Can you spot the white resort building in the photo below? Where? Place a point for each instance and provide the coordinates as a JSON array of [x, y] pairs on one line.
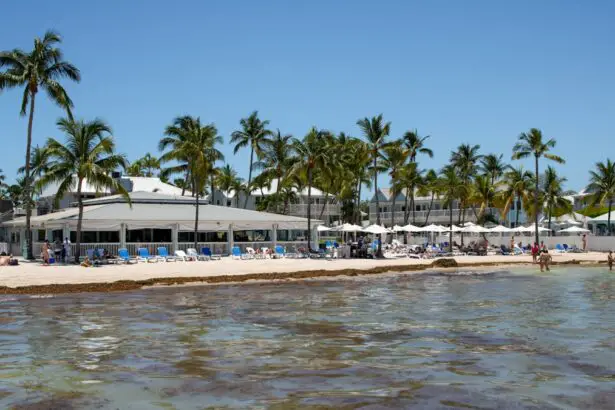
[[155, 220]]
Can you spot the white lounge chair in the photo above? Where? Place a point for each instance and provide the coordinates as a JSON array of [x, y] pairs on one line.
[[192, 253], [181, 255]]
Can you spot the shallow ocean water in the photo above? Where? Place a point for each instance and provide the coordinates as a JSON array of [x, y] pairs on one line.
[[506, 340]]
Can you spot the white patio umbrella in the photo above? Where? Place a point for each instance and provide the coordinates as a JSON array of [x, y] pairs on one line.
[[530, 229], [412, 228], [398, 228], [433, 228], [455, 228], [500, 229], [475, 229], [575, 229], [322, 228], [571, 221], [376, 229]]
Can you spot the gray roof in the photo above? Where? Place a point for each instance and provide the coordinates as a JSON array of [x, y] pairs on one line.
[[156, 215]]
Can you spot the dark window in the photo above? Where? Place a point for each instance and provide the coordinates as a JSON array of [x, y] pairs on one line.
[[109, 236], [229, 203], [41, 235], [162, 235], [252, 236]]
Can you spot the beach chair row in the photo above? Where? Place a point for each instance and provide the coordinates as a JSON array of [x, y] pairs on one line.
[[163, 255]]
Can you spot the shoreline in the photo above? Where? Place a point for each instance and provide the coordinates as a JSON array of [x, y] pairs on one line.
[[118, 278]]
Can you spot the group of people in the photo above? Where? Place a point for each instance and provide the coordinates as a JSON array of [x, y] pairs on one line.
[[60, 251]]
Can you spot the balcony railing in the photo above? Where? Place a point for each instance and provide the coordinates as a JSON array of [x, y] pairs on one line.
[[316, 209], [439, 216]]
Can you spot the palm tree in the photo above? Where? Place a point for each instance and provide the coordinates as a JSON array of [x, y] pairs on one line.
[[311, 153], [358, 166], [191, 141], [276, 158], [88, 153], [465, 160], [149, 164], [553, 194], [411, 178], [602, 187], [135, 169], [2, 179], [39, 166], [493, 166], [452, 188], [213, 155], [228, 179], [395, 156], [518, 183], [415, 144], [41, 68], [253, 133], [531, 143], [375, 132], [430, 186], [482, 194]]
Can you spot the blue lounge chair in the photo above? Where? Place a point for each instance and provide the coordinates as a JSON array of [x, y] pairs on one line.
[[207, 252], [163, 255], [144, 256], [236, 253], [279, 250], [125, 257], [559, 248]]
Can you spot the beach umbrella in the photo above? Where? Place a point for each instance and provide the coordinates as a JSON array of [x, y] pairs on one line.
[[398, 228], [412, 228], [575, 229], [465, 225], [322, 228], [455, 228], [475, 229], [571, 221], [433, 228], [531, 228], [376, 229], [500, 229], [350, 228]]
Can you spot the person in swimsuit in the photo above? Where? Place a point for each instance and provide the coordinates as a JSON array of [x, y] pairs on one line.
[[609, 260], [545, 261]]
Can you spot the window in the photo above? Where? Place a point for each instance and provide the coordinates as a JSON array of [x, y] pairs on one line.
[[229, 203], [162, 235], [252, 236], [217, 202], [403, 209], [40, 235], [418, 207], [109, 236]]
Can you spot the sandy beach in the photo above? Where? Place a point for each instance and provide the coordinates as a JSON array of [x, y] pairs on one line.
[[111, 277]]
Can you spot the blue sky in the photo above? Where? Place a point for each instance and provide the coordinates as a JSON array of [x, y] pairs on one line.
[[468, 71]]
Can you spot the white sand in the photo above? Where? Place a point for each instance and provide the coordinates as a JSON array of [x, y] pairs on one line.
[[27, 274]]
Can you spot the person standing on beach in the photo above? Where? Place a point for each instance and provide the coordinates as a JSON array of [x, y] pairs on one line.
[[45, 252], [512, 243], [545, 261], [535, 251], [66, 250], [584, 241], [609, 260]]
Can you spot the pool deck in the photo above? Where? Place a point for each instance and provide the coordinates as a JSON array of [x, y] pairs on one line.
[[32, 274]]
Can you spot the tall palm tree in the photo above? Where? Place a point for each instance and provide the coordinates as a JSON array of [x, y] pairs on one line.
[[135, 169], [493, 166], [602, 187], [276, 158], [149, 164], [430, 186], [532, 144], [395, 156], [88, 153], [518, 183], [40, 162], [465, 159], [311, 152], [553, 194], [375, 131], [452, 188], [358, 167], [410, 180], [253, 133], [192, 144], [482, 194], [415, 144], [40, 69], [228, 179]]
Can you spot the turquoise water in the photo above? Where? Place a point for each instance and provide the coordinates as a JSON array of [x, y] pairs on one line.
[[504, 340]]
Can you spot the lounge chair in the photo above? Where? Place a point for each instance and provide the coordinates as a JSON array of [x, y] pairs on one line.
[[251, 254], [279, 252], [181, 255], [236, 253], [93, 256], [144, 256], [194, 254], [504, 250], [163, 255], [559, 248], [207, 252], [125, 257]]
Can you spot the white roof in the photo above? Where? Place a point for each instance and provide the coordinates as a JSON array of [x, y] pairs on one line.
[[132, 184], [86, 188], [605, 218], [110, 216]]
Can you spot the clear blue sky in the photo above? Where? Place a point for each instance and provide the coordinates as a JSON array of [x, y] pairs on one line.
[[469, 71]]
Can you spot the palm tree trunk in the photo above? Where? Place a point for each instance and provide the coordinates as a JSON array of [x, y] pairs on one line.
[[277, 195], [359, 204], [550, 214], [196, 222], [309, 209], [608, 226], [322, 211], [413, 205], [79, 222], [393, 211], [536, 202], [379, 252], [517, 204], [213, 187], [429, 210], [245, 203], [28, 184], [450, 232], [406, 210], [187, 178]]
